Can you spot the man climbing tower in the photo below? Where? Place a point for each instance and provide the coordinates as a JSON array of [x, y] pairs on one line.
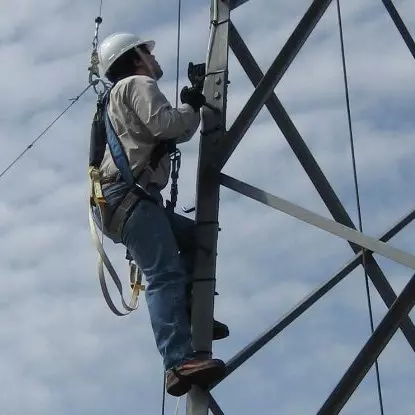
[[160, 242]]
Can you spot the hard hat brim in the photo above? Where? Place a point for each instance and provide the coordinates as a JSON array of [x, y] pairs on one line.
[[150, 44], [115, 45]]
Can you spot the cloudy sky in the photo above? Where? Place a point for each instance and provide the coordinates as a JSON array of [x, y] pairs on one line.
[[61, 349]]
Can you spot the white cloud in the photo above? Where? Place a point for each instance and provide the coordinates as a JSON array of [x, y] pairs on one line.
[[61, 348]]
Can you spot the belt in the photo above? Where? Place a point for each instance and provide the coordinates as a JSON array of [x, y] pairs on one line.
[[110, 179], [143, 178]]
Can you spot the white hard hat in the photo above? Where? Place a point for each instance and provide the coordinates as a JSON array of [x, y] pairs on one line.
[[113, 46]]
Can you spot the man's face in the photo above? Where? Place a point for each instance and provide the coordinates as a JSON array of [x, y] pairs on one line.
[[151, 62]]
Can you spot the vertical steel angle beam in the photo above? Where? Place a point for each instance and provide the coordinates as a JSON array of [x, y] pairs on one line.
[[207, 195]]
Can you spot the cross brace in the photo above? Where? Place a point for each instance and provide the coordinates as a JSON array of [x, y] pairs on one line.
[[268, 83], [372, 244], [313, 170], [236, 3], [370, 352], [215, 155], [299, 309]]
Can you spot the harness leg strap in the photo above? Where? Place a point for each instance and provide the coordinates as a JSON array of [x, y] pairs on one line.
[[122, 212]]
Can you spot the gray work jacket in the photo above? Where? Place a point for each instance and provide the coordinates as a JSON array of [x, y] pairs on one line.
[[142, 116]]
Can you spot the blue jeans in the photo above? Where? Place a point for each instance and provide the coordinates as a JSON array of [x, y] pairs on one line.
[[154, 238]]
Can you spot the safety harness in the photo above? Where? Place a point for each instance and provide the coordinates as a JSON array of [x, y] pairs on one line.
[[112, 221]]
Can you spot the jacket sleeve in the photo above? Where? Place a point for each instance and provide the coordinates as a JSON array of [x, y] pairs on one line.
[[156, 112]]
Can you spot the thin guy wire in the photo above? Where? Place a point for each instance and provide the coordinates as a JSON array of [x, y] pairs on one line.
[[163, 406], [176, 412], [179, 19], [357, 194], [74, 100]]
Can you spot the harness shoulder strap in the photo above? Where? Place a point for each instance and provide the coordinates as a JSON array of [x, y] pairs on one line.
[[118, 153], [117, 150]]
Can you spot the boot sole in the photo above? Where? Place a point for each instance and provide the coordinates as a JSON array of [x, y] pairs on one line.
[[217, 336], [179, 388], [206, 377]]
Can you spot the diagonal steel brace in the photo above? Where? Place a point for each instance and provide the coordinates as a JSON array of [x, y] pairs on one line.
[[371, 351], [247, 352], [268, 82], [315, 174]]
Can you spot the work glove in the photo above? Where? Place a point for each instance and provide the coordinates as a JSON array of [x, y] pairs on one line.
[[196, 74], [193, 97]]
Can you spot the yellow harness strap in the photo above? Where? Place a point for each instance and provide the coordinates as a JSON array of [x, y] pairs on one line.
[[97, 199], [96, 189]]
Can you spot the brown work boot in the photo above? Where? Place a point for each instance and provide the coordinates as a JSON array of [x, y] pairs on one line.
[[220, 330], [176, 384], [197, 372]]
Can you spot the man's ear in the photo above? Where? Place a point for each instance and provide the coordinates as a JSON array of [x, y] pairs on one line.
[[138, 63]]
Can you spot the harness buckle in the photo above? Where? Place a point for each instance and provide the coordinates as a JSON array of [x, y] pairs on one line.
[[143, 179], [135, 283], [96, 194]]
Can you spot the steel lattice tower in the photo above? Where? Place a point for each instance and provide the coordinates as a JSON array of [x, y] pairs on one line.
[[216, 147]]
